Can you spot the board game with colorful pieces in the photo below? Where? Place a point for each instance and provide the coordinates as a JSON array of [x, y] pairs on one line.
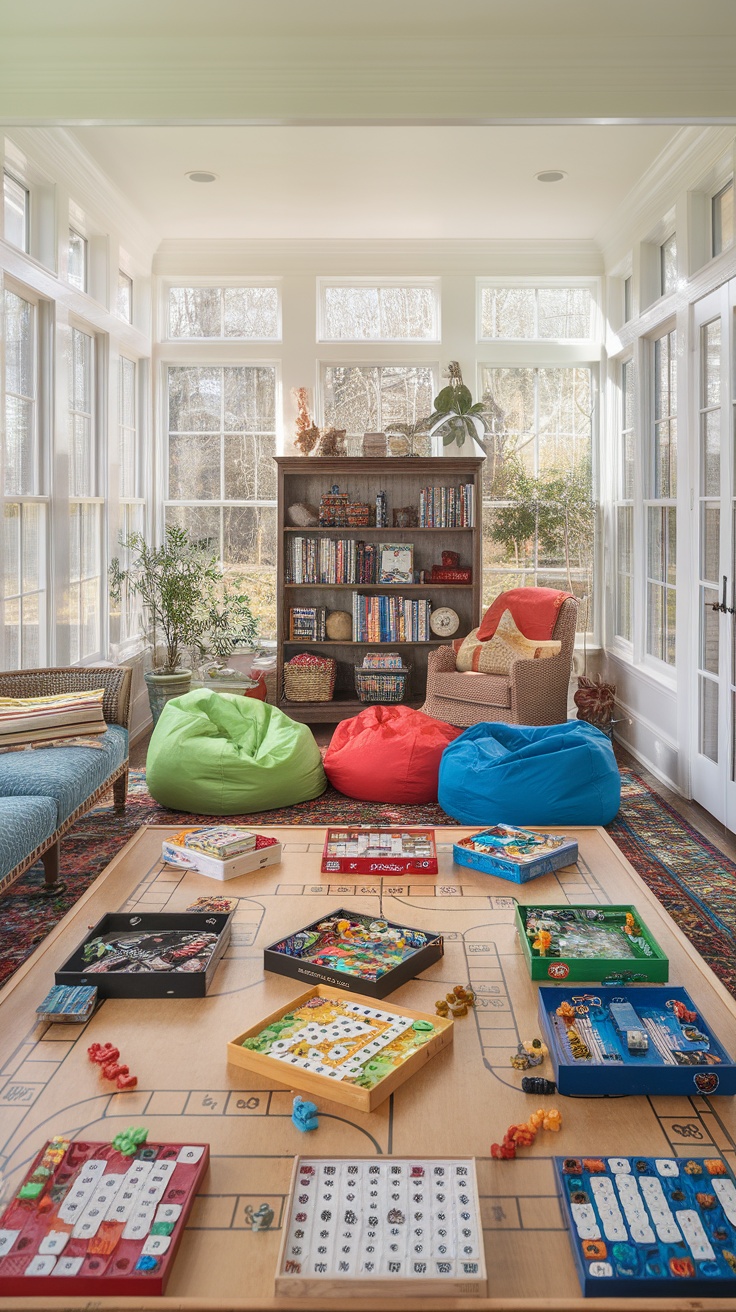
[[380, 852], [151, 955], [359, 952], [99, 1218], [610, 945], [651, 1226], [401, 1226], [342, 1047], [637, 1040], [515, 854]]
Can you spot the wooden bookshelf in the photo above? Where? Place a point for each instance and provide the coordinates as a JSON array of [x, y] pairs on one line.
[[305, 479]]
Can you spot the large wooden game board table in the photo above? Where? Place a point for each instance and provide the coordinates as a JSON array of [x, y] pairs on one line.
[[456, 1105]]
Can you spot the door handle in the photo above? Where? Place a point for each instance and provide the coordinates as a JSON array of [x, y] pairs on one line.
[[721, 605]]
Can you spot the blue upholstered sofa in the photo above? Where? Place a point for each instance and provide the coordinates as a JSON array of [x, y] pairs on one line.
[[43, 792]]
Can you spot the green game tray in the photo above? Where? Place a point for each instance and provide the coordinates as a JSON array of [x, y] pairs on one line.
[[644, 962]]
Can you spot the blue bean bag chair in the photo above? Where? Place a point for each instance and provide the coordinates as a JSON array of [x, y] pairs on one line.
[[556, 774]]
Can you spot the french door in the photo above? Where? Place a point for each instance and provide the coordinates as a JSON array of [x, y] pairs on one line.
[[714, 503]]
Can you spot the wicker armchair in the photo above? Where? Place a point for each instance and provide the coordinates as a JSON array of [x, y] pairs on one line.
[[116, 681], [534, 693]]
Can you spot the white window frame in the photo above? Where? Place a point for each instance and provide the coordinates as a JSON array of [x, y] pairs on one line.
[[76, 231], [19, 182], [593, 285], [714, 196], [671, 236], [193, 343], [41, 495], [620, 501], [649, 500], [123, 273], [99, 497], [432, 284]]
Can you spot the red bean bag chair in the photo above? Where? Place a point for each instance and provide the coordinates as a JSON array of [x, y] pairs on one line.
[[388, 754]]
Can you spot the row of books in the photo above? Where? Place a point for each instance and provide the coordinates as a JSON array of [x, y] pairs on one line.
[[331, 560], [446, 507], [390, 619], [308, 623]]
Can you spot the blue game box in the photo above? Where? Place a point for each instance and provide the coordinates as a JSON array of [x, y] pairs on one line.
[[642, 1227], [515, 854], [632, 1040]]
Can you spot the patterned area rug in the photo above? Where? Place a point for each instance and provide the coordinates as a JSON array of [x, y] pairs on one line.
[[693, 880]]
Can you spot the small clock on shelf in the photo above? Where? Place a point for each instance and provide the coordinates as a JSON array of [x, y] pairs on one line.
[[444, 622]]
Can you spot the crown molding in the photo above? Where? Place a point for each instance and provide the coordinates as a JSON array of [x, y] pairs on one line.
[[359, 258], [678, 168], [60, 156]]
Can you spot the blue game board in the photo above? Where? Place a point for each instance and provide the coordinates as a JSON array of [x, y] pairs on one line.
[[646, 1226], [632, 1040]]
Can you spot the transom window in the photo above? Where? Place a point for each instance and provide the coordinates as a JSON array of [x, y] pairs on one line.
[[379, 312], [124, 297], [562, 313], [249, 313], [16, 211], [77, 260], [668, 265], [722, 218]]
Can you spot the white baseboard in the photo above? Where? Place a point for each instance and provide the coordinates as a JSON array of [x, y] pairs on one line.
[[647, 729]]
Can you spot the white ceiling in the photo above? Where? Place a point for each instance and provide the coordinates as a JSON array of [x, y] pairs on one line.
[[375, 182]]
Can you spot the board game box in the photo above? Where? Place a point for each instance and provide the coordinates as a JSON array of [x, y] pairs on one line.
[[360, 953], [608, 945], [382, 1227], [149, 954], [638, 1040], [265, 852], [354, 851], [89, 1220], [341, 1046], [515, 854], [651, 1226]]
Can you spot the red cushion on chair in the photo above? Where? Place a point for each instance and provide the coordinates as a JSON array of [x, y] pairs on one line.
[[534, 610], [388, 754]]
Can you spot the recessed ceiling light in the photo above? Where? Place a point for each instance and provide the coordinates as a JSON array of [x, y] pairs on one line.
[[201, 175], [550, 175]]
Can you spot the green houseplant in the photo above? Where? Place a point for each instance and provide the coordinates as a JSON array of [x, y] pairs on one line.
[[456, 416], [185, 608]]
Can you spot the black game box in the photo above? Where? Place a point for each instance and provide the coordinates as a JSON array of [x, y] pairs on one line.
[[150, 955]]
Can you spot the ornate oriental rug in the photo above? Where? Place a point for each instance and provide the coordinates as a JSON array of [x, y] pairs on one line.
[[693, 880]]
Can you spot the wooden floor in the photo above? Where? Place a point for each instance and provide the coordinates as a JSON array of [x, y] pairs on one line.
[[695, 814]]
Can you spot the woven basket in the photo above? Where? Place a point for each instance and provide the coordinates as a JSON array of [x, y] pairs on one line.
[[381, 686], [310, 683]]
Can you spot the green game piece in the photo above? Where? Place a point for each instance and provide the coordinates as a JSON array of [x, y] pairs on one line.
[[162, 1228], [129, 1141], [251, 1044], [31, 1190], [422, 1025]]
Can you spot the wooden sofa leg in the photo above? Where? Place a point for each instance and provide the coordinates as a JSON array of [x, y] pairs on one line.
[[50, 860], [120, 791]]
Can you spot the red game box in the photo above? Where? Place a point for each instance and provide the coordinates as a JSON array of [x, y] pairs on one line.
[[351, 851], [88, 1220]]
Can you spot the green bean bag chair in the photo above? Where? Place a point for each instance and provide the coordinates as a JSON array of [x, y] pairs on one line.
[[215, 753]]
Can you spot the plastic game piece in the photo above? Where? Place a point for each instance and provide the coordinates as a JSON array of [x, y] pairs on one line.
[[261, 1218], [537, 1084], [129, 1141], [566, 1012], [106, 1056], [442, 1007], [520, 1060], [542, 942], [523, 1136], [304, 1114], [125, 1081], [103, 1053], [536, 1048]]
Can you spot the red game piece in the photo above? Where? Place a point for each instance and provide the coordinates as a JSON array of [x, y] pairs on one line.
[[127, 1081]]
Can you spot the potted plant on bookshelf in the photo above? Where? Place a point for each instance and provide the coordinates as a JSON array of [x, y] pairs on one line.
[[456, 417], [176, 583]]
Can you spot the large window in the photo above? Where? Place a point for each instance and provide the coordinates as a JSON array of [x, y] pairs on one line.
[[16, 212], [624, 507], [221, 474], [556, 312], [24, 510], [77, 260], [381, 312], [371, 398], [131, 500], [661, 512], [251, 313], [538, 518], [86, 567]]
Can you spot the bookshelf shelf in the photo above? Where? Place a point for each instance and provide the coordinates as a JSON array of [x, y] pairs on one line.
[[303, 480]]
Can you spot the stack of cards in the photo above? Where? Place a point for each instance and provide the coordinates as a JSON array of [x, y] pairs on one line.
[[65, 1003]]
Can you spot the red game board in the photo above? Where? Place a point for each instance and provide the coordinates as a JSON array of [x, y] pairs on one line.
[[96, 1221]]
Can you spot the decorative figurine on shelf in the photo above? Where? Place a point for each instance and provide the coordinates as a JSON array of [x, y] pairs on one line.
[[450, 560], [304, 1114], [307, 432], [405, 517], [332, 442]]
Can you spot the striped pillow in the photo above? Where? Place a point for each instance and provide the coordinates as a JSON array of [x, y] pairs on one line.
[[37, 719]]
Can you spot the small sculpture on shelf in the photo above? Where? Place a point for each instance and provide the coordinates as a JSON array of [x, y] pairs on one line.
[[307, 432], [332, 442]]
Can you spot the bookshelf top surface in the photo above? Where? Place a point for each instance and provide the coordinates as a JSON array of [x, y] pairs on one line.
[[436, 465]]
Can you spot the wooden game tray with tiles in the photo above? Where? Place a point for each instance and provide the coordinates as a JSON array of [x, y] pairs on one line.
[[343, 1048], [450, 1108]]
